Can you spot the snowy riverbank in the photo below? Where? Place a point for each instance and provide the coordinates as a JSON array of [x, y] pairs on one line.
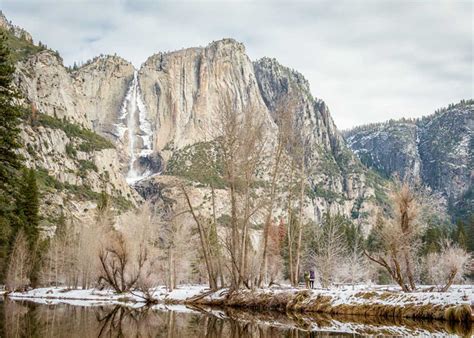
[[455, 305]]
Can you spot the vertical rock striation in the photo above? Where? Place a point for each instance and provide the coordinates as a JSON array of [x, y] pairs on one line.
[[183, 90]]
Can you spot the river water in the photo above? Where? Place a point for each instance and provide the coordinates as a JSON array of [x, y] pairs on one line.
[[32, 319]]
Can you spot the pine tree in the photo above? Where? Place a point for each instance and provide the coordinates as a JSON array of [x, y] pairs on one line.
[[10, 160], [460, 235], [28, 211], [28, 206], [470, 232]]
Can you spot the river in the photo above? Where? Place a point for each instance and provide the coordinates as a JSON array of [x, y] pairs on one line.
[[42, 319]]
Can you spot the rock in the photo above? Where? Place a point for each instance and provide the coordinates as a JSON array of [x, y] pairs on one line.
[[46, 83], [180, 93], [101, 86], [17, 31], [331, 167], [435, 150]]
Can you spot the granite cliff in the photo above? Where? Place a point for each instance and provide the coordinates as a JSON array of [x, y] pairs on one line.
[[436, 150], [130, 124]]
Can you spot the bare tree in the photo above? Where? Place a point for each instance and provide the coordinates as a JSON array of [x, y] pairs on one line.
[[330, 252], [19, 265], [275, 260], [284, 113], [296, 183], [300, 221], [205, 245], [241, 143], [399, 236], [119, 270], [448, 266], [129, 252], [175, 243], [354, 268]]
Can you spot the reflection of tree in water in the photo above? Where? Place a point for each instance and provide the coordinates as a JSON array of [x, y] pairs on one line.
[[122, 321], [21, 320], [113, 321], [26, 319], [297, 324]]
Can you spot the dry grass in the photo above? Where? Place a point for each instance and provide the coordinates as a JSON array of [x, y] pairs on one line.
[[373, 325], [458, 313], [306, 302], [366, 295]]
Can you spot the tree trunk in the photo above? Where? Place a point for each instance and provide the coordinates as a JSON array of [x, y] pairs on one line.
[[289, 230], [449, 282], [170, 271], [268, 220], [234, 239], [218, 251], [204, 243], [300, 222]]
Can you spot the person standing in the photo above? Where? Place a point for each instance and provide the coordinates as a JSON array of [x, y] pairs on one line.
[[306, 278], [311, 279]]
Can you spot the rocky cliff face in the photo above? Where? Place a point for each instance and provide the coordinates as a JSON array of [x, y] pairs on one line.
[[436, 150], [15, 30], [152, 114], [69, 109], [101, 86], [183, 90], [389, 148], [72, 172], [46, 83], [90, 96], [331, 167]]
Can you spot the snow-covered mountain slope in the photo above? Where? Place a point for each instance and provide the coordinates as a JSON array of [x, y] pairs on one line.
[[436, 150]]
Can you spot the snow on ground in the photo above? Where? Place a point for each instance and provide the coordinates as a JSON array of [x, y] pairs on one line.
[[93, 295], [385, 295], [389, 295]]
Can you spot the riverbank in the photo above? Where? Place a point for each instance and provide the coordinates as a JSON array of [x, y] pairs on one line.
[[87, 319], [451, 306], [455, 305]]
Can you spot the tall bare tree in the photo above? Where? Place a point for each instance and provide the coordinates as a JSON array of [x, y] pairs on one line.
[[284, 113], [399, 236], [296, 188], [19, 266], [204, 239], [240, 138]]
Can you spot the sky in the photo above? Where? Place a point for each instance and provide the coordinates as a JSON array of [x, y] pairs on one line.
[[370, 61]]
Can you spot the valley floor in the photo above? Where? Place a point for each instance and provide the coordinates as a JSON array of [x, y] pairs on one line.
[[384, 301]]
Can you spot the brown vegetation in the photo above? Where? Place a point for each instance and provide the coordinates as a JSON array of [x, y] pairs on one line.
[[369, 304]]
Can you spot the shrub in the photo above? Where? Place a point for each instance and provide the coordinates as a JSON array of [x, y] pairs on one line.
[[70, 150], [85, 166]]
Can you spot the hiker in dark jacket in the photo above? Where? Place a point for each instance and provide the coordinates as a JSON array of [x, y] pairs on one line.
[[311, 279]]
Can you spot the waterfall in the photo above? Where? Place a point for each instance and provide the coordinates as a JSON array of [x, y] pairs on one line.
[[135, 131]]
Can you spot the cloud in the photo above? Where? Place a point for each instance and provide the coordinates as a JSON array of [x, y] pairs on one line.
[[369, 60]]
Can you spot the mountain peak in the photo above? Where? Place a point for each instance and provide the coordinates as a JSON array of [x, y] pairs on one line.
[[227, 43], [15, 30]]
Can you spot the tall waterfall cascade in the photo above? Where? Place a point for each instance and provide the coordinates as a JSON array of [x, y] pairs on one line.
[[134, 130]]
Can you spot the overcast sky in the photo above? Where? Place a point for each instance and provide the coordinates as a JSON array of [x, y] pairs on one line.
[[369, 60]]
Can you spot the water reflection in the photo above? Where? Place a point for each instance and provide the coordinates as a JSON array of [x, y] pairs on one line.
[[28, 319]]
